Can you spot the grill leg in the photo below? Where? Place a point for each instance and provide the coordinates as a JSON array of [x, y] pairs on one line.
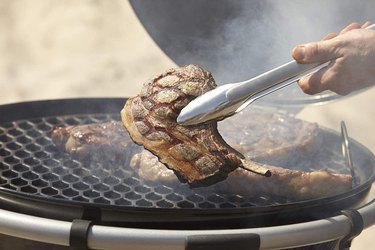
[[357, 226]]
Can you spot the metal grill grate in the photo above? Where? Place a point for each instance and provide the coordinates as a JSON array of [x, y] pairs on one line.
[[31, 164]]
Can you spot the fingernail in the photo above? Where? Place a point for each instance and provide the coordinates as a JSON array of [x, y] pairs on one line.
[[299, 52]]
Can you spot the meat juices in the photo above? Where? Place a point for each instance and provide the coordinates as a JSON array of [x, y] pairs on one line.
[[197, 154]]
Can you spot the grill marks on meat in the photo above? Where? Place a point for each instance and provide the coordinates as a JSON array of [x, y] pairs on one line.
[[197, 154]]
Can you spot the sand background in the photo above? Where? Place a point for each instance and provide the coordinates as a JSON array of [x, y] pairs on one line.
[[66, 49], [62, 49]]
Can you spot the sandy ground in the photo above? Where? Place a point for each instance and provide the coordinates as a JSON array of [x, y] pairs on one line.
[[73, 49], [99, 49]]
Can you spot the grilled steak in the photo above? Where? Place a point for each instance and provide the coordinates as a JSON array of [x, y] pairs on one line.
[[291, 184], [197, 154], [104, 141], [150, 168], [271, 138]]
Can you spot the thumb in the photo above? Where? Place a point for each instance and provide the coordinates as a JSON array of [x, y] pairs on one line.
[[316, 52]]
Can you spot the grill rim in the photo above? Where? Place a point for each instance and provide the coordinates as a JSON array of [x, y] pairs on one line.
[[37, 109], [167, 218]]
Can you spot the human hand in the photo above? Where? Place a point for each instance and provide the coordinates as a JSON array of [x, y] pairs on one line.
[[352, 61]]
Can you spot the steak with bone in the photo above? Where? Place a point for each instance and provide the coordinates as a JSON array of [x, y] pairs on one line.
[[103, 141], [196, 153]]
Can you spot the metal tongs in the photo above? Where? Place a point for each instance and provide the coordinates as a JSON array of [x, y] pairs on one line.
[[228, 99], [346, 153]]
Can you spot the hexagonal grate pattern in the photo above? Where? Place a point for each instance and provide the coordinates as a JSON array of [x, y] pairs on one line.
[[30, 164]]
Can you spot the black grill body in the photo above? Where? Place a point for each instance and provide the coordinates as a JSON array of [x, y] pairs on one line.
[[38, 179]]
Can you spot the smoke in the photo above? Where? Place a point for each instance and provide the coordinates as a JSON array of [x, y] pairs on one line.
[[261, 36], [252, 37]]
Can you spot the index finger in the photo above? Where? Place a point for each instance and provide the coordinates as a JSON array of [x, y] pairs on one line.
[[366, 24], [351, 26]]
